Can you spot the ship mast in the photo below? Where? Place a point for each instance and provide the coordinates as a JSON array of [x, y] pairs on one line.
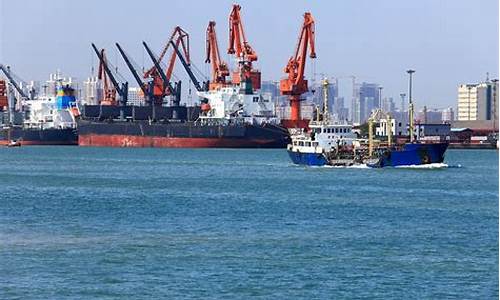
[[410, 107], [326, 84]]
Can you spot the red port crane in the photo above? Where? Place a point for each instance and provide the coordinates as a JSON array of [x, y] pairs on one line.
[[295, 85], [181, 39], [109, 91], [239, 46], [219, 68]]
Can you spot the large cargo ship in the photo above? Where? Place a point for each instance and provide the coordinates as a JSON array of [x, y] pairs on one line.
[[230, 114], [100, 126], [180, 135]]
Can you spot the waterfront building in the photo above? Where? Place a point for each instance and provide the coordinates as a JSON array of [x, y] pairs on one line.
[[478, 102]]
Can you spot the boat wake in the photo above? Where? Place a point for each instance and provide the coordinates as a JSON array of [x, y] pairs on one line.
[[357, 166], [427, 166], [423, 167], [433, 166]]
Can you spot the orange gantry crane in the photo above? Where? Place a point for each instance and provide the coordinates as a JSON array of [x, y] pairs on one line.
[[245, 54], [181, 39], [108, 90], [295, 84], [219, 68]]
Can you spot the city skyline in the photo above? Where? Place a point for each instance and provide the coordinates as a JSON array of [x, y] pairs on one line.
[[348, 40]]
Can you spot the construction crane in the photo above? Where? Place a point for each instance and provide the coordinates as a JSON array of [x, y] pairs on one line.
[[121, 90], [7, 72], [219, 68], [109, 92], [180, 38], [245, 54], [146, 87], [295, 85]]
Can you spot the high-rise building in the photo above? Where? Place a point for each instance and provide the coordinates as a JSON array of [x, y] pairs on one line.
[[478, 101], [447, 115], [336, 104], [270, 87], [92, 91], [388, 105], [367, 98]]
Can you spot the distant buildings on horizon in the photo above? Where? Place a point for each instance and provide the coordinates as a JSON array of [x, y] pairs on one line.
[[475, 101]]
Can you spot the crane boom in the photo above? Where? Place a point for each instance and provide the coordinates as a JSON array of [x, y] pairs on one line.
[[106, 68], [121, 90], [137, 78], [181, 39], [6, 71], [238, 43], [187, 68], [109, 95], [166, 81], [245, 76], [219, 67], [295, 84]]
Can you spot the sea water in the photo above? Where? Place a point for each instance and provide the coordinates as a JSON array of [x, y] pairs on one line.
[[101, 223]]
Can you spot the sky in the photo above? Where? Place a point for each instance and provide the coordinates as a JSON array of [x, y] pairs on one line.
[[447, 42]]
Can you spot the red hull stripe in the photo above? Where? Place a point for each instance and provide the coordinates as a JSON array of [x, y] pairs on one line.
[[168, 142]]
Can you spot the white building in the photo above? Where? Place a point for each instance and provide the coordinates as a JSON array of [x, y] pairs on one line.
[[92, 92], [136, 97], [478, 101]]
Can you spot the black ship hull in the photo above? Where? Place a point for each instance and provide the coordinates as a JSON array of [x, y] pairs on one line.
[[32, 136], [180, 135]]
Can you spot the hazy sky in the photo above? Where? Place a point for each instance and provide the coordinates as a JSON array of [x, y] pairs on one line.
[[448, 42]]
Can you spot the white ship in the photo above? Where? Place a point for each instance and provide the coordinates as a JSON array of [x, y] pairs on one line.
[[44, 118]]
